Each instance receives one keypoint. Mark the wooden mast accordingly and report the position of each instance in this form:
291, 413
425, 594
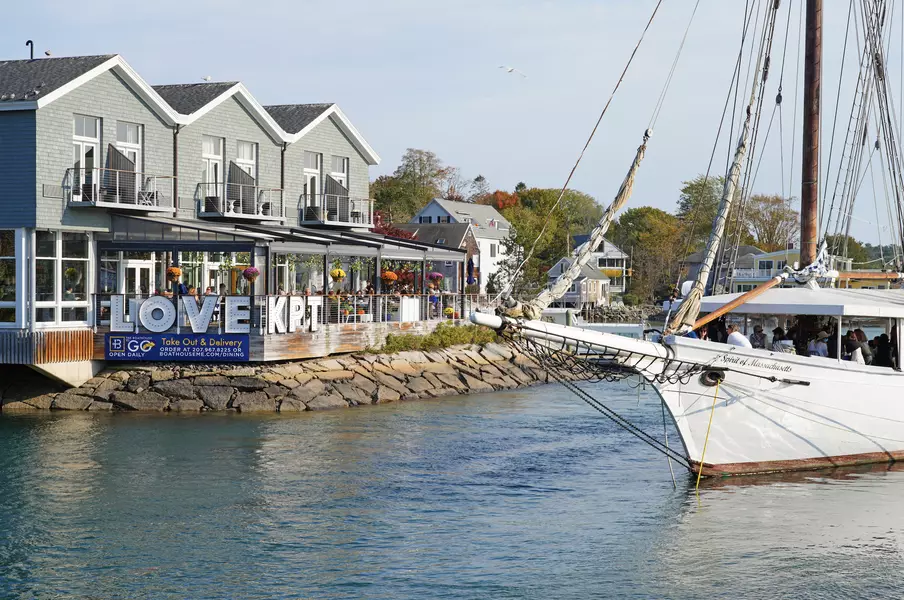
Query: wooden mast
809, 193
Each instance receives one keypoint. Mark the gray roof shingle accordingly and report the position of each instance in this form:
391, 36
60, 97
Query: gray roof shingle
295, 117
28, 80
453, 234
187, 98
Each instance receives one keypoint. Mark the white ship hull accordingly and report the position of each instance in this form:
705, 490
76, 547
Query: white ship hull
820, 413
773, 411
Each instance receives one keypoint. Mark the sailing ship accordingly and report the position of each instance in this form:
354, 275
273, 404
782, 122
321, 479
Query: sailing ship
744, 410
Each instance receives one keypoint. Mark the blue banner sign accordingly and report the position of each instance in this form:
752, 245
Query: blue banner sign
177, 347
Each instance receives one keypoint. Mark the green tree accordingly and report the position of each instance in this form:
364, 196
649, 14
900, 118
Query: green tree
577, 213
848, 247
698, 204
653, 238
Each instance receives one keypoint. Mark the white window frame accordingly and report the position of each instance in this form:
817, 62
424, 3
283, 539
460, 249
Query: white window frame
58, 303
208, 160
128, 148
314, 172
19, 303
248, 165
340, 176
81, 144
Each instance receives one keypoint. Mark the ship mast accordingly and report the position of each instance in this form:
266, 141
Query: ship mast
809, 193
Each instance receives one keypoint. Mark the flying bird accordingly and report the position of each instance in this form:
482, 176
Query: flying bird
47, 53
512, 70
206, 78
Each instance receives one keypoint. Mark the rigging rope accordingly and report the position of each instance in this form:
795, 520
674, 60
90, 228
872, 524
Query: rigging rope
690, 308
509, 284
706, 439
733, 86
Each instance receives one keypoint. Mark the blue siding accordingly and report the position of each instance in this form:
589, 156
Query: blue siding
17, 155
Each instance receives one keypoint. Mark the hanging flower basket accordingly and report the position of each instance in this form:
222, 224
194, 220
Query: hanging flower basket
407, 276
337, 274
434, 276
251, 273
173, 274
389, 277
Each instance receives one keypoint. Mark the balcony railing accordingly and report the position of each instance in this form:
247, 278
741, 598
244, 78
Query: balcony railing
756, 273
113, 188
331, 209
240, 201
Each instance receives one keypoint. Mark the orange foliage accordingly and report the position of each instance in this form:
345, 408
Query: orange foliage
500, 199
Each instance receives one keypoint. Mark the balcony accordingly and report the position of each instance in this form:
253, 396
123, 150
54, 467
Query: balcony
332, 209
112, 188
240, 201
763, 274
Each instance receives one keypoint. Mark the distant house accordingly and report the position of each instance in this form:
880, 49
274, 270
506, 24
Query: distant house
590, 289
745, 260
609, 260
490, 228
459, 236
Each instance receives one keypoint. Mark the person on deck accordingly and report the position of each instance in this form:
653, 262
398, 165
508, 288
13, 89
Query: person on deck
818, 346
758, 338
780, 343
883, 352
864, 346
736, 338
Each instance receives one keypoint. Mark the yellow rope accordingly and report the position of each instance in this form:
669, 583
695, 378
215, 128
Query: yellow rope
706, 439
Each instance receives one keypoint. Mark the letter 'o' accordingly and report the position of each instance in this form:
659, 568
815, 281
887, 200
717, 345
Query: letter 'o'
148, 314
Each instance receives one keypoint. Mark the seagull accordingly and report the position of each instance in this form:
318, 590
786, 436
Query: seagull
206, 78
47, 53
512, 70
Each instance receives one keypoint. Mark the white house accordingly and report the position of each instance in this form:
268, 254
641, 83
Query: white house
489, 226
590, 288
609, 260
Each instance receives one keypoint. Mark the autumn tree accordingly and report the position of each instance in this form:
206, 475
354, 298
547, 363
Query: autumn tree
419, 178
500, 200
771, 222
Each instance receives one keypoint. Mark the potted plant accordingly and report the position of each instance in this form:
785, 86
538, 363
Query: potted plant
435, 277
337, 274
251, 274
449, 312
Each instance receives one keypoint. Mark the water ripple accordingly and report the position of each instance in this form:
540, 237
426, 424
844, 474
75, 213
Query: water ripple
515, 495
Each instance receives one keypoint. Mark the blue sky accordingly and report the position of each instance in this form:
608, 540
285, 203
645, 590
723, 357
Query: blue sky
425, 74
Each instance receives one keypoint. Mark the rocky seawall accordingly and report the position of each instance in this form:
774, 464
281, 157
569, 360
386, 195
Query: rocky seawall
335, 382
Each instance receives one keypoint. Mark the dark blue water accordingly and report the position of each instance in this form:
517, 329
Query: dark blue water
512, 495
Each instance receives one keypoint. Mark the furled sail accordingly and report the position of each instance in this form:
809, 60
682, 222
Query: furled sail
535, 307
690, 307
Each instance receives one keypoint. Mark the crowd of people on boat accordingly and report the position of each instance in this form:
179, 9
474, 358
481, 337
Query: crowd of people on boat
881, 351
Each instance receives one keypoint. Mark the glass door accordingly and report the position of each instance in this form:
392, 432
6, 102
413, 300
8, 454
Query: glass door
139, 280
85, 175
